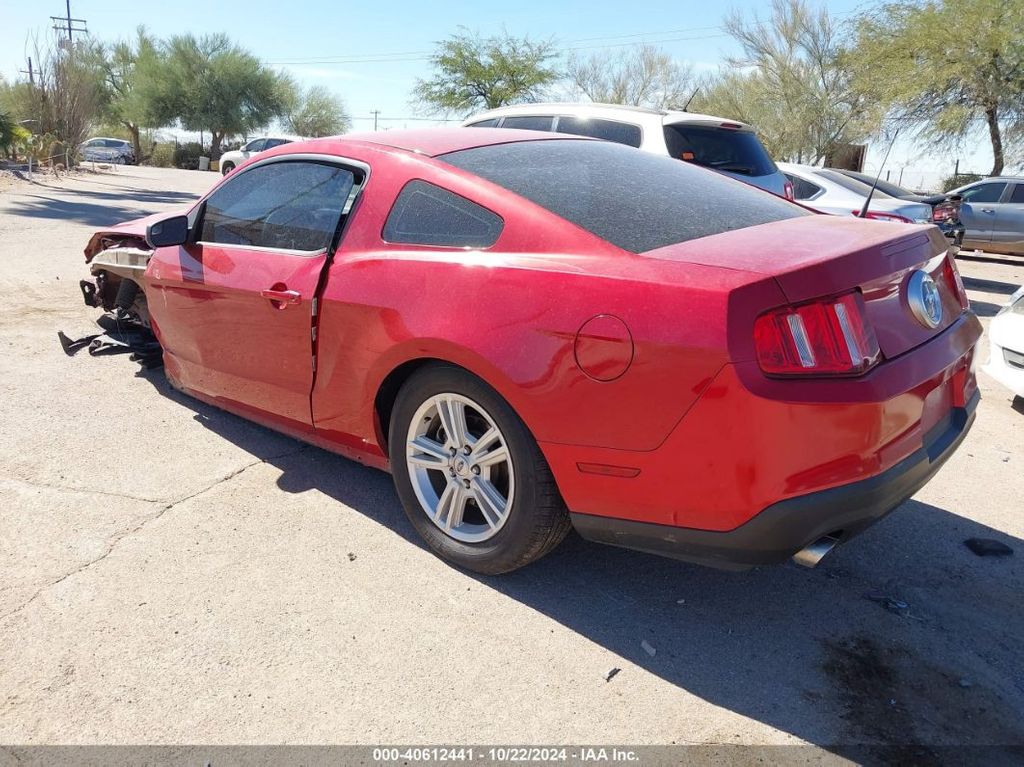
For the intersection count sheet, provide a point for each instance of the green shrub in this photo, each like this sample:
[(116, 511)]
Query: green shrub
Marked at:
[(162, 155), (187, 155), (960, 179)]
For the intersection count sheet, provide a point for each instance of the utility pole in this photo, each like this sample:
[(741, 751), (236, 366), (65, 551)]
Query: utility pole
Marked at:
[(375, 112), (30, 72), (68, 24)]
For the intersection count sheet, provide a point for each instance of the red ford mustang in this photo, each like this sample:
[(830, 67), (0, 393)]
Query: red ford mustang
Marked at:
[(535, 331)]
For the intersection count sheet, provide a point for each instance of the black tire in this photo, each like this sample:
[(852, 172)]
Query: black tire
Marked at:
[(226, 168), (538, 519)]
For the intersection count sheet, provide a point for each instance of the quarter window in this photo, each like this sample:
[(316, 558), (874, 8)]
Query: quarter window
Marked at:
[(984, 192), (528, 123), (425, 214), (284, 205), (803, 189), (609, 130), (492, 123)]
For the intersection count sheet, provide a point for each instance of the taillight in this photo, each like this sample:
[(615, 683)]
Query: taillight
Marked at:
[(956, 284), (827, 337), (945, 211), (879, 216), (787, 191)]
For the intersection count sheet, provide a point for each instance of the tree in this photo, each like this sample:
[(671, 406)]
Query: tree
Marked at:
[(941, 84), (210, 84), (317, 112), (645, 76), (65, 98), (125, 103), (801, 89), (473, 72)]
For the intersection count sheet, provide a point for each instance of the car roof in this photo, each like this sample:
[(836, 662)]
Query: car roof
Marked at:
[(609, 111), (432, 142)]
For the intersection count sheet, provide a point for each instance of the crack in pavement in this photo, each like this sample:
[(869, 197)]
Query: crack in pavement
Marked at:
[(148, 520), (85, 490)]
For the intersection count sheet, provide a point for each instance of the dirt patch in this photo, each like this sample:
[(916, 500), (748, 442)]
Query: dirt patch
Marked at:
[(892, 696)]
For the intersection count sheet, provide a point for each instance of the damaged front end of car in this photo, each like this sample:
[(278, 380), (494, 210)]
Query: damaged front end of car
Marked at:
[(117, 260)]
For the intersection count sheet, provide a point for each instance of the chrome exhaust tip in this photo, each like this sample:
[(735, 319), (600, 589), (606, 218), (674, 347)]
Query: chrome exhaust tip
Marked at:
[(811, 555)]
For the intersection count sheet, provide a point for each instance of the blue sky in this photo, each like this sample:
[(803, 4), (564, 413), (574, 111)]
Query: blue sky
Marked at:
[(351, 47)]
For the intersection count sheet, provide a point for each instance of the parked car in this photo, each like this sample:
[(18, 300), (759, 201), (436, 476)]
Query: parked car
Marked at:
[(945, 207), (1006, 345), (832, 192), (728, 146), (115, 150), (992, 211), (231, 160), (533, 331)]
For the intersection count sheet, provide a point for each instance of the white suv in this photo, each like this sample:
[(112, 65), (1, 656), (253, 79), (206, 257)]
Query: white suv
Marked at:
[(727, 146), (230, 160)]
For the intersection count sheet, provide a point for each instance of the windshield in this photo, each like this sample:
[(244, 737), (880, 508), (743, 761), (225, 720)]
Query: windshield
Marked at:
[(636, 200), (735, 151)]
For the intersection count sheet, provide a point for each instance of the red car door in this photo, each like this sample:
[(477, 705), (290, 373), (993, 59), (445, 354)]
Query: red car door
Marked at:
[(233, 308)]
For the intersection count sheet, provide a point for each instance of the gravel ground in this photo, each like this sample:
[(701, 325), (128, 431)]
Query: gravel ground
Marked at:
[(173, 574)]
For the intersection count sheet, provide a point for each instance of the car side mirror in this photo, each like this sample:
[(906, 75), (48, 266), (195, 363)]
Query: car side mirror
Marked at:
[(170, 231)]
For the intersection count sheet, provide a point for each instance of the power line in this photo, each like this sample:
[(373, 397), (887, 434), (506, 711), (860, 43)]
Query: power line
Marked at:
[(680, 35)]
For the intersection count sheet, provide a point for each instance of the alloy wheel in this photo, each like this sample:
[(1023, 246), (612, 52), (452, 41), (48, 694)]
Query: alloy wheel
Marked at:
[(461, 468)]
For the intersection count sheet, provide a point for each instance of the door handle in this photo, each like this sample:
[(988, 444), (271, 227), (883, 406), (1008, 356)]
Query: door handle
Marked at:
[(281, 298), (987, 210)]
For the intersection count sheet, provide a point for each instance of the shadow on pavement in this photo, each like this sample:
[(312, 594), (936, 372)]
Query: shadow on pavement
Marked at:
[(902, 636), (105, 211), (985, 308), (990, 286), (93, 214)]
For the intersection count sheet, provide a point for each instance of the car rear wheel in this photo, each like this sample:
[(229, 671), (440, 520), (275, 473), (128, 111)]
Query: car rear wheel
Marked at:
[(227, 167), (472, 480)]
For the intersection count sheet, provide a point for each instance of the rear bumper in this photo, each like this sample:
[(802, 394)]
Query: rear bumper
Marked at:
[(786, 527)]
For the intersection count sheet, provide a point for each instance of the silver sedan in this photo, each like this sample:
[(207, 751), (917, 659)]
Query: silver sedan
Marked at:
[(992, 211), (829, 191)]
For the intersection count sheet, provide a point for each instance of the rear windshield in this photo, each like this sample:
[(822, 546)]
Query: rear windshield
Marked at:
[(846, 182), (887, 187), (734, 151), (635, 200)]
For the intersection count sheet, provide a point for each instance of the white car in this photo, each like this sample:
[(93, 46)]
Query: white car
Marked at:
[(231, 160), (103, 149), (724, 145), (830, 191), (1006, 341)]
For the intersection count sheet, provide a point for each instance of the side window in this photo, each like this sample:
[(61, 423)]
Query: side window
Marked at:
[(425, 214), (284, 205), (1018, 194), (272, 142), (492, 123), (256, 145), (985, 192), (609, 130), (803, 189), (528, 123)]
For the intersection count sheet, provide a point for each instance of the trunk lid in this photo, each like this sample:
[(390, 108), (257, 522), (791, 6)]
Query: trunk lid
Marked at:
[(818, 256)]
